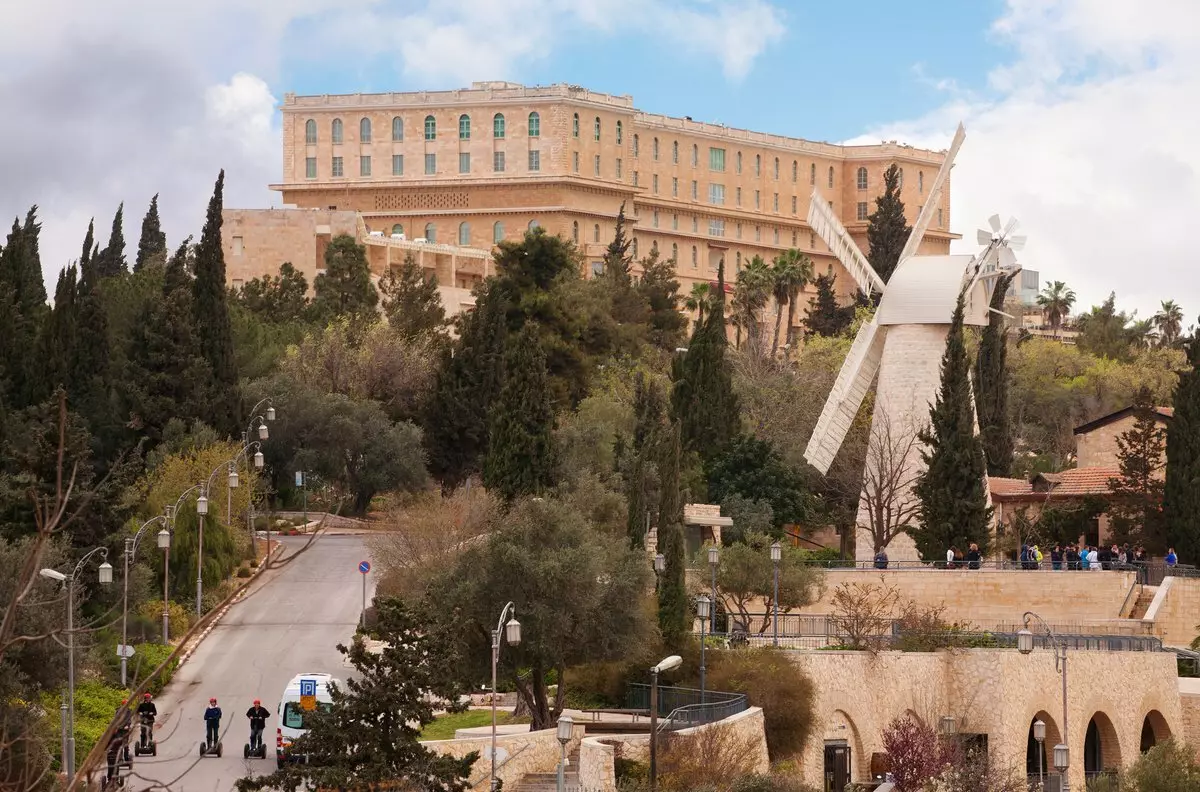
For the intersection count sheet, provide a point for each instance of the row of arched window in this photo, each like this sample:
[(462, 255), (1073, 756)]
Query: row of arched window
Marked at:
[(337, 128), (464, 231)]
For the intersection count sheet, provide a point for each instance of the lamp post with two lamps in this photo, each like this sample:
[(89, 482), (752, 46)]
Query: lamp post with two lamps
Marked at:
[(511, 632), (667, 664), (1062, 753), (776, 555), (67, 708), (131, 546)]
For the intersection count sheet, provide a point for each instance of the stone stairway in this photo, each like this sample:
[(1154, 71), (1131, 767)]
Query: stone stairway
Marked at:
[(1142, 604), (548, 782)]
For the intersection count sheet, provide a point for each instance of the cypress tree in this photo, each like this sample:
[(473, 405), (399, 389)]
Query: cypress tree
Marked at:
[(152, 245), (467, 384), (59, 332), (887, 231), (672, 591), (953, 499), (411, 301), (212, 318), (702, 397), (1137, 493), (648, 409), (21, 273), (616, 255), (89, 368), (991, 387), (111, 262), (1181, 495), (520, 459), (345, 288)]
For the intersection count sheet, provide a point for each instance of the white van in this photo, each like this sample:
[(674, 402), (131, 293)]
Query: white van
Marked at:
[(292, 708)]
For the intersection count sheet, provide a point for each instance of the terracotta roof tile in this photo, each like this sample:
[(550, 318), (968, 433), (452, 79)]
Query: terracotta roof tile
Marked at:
[(1073, 483), (1009, 486)]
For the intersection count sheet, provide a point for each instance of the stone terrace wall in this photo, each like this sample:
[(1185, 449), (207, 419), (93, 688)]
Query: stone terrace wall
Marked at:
[(527, 752), (1175, 610), (1189, 702)]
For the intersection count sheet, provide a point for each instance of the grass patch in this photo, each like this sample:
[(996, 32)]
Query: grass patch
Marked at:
[(444, 726)]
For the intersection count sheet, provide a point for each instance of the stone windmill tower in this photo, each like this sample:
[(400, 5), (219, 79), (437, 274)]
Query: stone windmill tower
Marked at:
[(904, 341)]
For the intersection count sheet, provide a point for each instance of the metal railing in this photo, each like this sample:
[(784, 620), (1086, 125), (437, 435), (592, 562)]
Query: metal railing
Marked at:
[(758, 625), (682, 708), (1150, 573)]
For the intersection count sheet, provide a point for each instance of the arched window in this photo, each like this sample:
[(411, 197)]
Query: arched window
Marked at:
[(597, 128), (535, 125), (812, 175), (533, 224), (635, 144), (335, 131), (795, 171), (635, 248), (498, 125), (921, 182), (397, 229), (656, 149), (620, 131), (310, 132), (430, 128), (739, 162), (831, 176), (596, 233), (430, 233), (464, 127), (575, 125), (758, 164), (575, 232), (497, 231), (776, 169), (675, 151), (695, 155), (861, 178), (464, 234), (674, 252), (397, 129), (364, 131)]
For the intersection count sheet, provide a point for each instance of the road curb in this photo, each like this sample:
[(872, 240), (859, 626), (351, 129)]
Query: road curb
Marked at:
[(237, 597)]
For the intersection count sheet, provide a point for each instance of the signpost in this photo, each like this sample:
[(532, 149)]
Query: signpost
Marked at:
[(124, 651), (364, 567), (302, 483), (308, 694)]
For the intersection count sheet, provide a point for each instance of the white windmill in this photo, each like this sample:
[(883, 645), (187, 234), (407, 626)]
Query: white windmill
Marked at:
[(904, 341)]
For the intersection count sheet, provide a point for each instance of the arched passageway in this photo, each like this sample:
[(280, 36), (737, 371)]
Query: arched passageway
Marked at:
[(1053, 738), (1154, 730), (1101, 751)]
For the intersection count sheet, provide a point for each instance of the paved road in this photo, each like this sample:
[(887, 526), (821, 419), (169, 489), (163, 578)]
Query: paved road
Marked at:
[(289, 623)]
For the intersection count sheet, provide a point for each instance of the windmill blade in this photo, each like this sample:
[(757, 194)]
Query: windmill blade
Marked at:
[(935, 194), (1008, 229), (983, 237), (824, 222), (1017, 242), (849, 390), (994, 222), (1010, 317)]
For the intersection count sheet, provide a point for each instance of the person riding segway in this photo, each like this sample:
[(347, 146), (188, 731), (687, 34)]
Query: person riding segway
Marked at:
[(212, 730), (258, 722), (147, 713), (118, 744)]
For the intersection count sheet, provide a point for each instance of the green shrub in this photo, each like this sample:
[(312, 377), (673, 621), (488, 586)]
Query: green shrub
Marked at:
[(775, 782), (95, 705), (180, 616), (773, 682), (1168, 767), (243, 572)]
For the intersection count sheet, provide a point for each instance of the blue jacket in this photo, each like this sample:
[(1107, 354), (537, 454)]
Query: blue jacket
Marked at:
[(212, 713)]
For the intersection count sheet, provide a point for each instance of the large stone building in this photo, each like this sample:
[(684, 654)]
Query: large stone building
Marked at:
[(473, 166)]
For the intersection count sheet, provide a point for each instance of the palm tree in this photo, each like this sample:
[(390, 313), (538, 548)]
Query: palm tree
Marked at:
[(1141, 333), (1169, 322), (699, 299), (792, 271), (1056, 301), (755, 284)]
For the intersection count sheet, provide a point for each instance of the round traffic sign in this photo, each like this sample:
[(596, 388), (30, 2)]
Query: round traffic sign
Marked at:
[(364, 566)]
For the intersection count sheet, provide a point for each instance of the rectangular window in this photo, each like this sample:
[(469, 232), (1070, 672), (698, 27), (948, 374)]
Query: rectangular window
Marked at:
[(337, 167), (597, 164), (635, 181), (364, 166), (695, 190), (310, 167), (498, 161), (776, 236), (654, 220), (674, 186), (757, 234), (716, 159), (739, 196), (716, 227), (575, 161), (775, 203), (430, 164), (237, 246), (535, 160), (716, 194), (757, 196), (397, 164), (695, 224), (862, 210), (618, 169), (654, 183), (464, 162), (675, 222), (794, 204), (739, 230)]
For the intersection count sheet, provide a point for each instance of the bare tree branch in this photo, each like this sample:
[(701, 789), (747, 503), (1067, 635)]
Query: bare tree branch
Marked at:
[(887, 499)]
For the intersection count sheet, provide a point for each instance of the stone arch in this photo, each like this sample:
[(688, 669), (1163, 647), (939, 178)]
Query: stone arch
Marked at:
[(1101, 746), (1155, 730), (1053, 738), (840, 726)]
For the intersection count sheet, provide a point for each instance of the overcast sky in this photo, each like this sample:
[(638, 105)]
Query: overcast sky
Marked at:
[(1081, 115)]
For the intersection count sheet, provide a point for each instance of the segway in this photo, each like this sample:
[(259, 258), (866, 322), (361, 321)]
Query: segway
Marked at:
[(248, 750), (208, 749), (146, 745)]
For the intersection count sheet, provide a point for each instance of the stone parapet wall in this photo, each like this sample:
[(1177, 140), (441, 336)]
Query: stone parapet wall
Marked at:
[(1175, 611), (518, 754)]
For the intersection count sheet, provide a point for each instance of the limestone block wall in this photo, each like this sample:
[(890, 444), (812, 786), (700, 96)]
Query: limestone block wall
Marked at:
[(527, 752), (1175, 610), (993, 692), (1189, 702), (597, 765)]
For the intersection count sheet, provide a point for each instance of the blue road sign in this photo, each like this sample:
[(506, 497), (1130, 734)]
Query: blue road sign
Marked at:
[(364, 566), (308, 687)]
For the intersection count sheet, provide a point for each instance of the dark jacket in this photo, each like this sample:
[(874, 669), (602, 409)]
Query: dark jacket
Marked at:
[(258, 716), (973, 559), (212, 713), (147, 708)]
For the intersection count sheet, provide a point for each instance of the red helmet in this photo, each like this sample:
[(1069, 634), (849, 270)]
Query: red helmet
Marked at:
[(257, 703), (146, 696), (124, 702), (212, 701)]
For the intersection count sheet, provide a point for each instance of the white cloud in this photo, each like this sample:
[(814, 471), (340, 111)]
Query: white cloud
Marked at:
[(1089, 141)]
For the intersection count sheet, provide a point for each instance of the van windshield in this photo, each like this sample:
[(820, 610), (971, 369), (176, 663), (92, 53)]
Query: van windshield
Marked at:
[(293, 714)]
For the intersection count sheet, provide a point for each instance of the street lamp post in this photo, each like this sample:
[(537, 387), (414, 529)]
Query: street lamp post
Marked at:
[(667, 664), (660, 564), (511, 632), (164, 544), (714, 559), (1039, 734), (702, 609), (565, 725), (67, 709), (776, 555), (1062, 753), (131, 545), (202, 511)]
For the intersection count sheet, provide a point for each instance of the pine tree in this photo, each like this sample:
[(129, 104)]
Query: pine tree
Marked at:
[(520, 459), (702, 397), (345, 288), (659, 290), (152, 245), (648, 411), (825, 317), (212, 318), (111, 261), (1181, 493), (468, 382), (278, 298), (672, 591), (1137, 493), (411, 301), (991, 387), (951, 489), (887, 231), (616, 256)]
